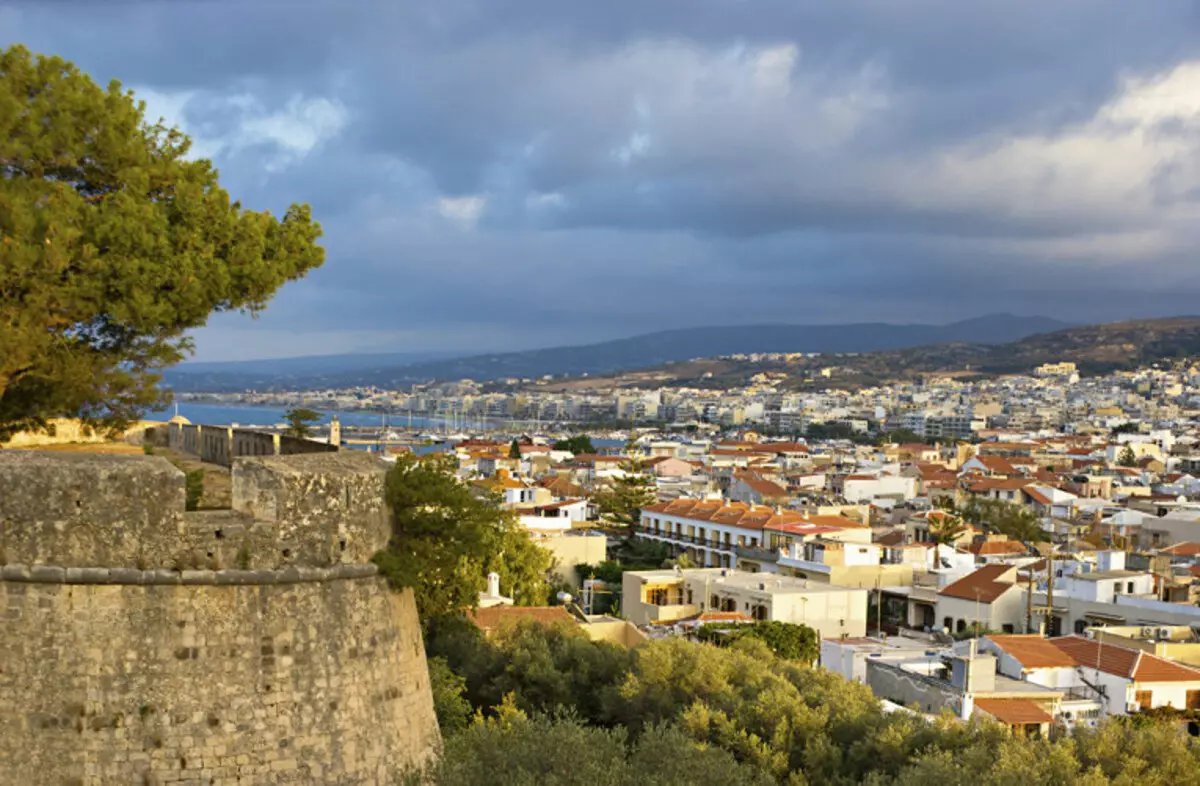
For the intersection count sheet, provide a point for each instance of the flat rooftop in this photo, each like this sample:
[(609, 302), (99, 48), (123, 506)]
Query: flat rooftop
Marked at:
[(901, 645), (757, 582), (1100, 575)]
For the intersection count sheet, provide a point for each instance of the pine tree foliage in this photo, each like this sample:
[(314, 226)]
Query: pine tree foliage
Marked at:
[(113, 244), (446, 538)]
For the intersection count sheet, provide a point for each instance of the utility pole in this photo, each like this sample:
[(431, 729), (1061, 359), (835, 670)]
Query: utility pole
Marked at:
[(1050, 592), (878, 608), (1029, 603)]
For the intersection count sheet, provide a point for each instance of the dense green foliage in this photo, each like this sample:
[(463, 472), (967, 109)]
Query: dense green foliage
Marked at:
[(113, 244), (578, 444), (784, 639), (514, 450), (453, 710), (770, 720), (993, 515), (1127, 458), (446, 538), (300, 421), (533, 752), (835, 430)]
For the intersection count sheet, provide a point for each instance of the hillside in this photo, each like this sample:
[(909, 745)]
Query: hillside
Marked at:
[(648, 350), (1093, 348)]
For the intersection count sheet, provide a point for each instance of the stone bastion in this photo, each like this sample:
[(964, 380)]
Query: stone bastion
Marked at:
[(142, 644)]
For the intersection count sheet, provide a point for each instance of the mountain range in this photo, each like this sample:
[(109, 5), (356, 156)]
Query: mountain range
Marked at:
[(395, 370)]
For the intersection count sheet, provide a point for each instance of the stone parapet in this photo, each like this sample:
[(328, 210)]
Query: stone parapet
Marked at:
[(86, 510)]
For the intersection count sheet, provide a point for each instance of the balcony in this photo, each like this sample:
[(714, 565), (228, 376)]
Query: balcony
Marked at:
[(757, 553)]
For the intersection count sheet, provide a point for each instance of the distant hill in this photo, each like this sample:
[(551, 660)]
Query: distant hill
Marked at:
[(288, 372), (610, 356), (1094, 349)]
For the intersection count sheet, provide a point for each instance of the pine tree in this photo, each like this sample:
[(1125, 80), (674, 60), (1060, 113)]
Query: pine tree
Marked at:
[(113, 245)]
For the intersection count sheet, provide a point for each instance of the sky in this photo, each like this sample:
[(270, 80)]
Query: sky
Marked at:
[(507, 175)]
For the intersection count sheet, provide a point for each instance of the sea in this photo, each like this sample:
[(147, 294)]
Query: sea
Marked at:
[(251, 417), (264, 417)]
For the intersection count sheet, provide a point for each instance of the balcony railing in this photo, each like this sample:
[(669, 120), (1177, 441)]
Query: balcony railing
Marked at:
[(756, 553)]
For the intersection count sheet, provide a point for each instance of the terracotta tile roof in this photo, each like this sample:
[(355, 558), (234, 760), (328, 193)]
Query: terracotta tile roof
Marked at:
[(1188, 549), (986, 583), (765, 488), (997, 465), (494, 616), (1131, 664), (739, 514), (561, 486), (1037, 495), (1014, 711), (1033, 652)]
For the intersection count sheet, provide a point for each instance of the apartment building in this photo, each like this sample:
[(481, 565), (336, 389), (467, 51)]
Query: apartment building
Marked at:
[(661, 596)]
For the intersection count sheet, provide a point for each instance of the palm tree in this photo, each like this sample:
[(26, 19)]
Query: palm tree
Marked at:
[(945, 528)]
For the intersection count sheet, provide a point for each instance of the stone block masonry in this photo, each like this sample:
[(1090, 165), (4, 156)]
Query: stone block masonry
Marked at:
[(224, 444), (120, 665)]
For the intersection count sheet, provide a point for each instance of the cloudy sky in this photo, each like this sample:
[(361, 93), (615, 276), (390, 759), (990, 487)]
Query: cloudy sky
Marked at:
[(502, 175)]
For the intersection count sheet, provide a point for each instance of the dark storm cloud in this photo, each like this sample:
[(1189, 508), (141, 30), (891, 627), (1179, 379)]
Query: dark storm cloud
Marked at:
[(498, 175)]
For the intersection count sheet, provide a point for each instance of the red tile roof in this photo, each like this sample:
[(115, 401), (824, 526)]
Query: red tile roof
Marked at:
[(1033, 652), (986, 583), (997, 465), (1037, 496), (1187, 549), (1014, 711), (493, 617), (1134, 665)]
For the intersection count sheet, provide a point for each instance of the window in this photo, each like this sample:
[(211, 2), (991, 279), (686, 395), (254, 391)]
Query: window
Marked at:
[(962, 625), (1129, 587), (657, 597), (689, 596), (1007, 628), (1143, 699), (948, 623)]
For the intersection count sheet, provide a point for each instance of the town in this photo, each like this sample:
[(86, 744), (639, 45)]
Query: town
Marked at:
[(594, 394), (1026, 547)]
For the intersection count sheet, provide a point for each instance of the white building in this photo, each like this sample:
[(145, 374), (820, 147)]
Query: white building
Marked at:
[(670, 595)]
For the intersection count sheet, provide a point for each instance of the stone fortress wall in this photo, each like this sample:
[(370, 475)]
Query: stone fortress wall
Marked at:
[(222, 444), (142, 644)]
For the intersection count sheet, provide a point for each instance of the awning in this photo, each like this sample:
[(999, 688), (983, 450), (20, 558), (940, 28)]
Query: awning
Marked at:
[(1097, 615)]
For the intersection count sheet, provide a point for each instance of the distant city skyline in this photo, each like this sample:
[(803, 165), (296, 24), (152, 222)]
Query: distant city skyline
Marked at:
[(494, 177)]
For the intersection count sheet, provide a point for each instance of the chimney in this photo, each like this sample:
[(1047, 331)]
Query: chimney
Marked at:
[(493, 584)]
